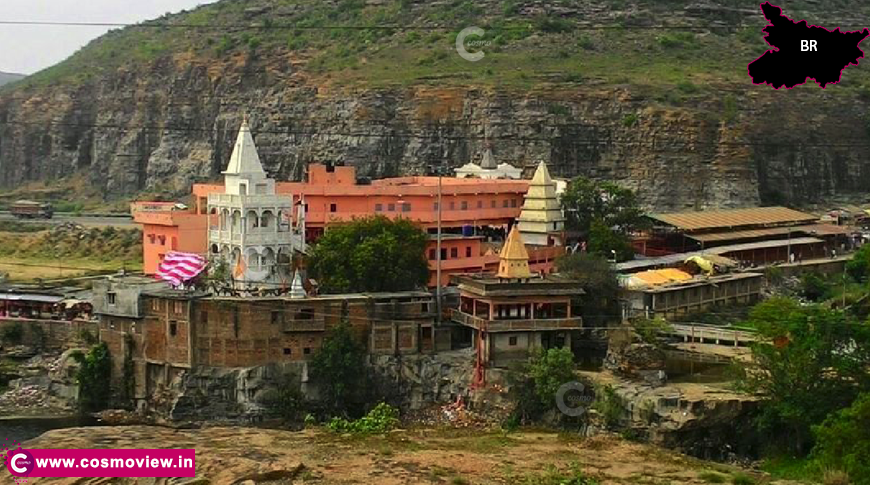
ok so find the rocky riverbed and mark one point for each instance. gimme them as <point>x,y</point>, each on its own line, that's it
<point>233,455</point>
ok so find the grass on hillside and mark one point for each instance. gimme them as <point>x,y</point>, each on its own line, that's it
<point>522,48</point>
<point>61,253</point>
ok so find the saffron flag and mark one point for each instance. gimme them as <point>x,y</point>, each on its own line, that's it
<point>239,271</point>
<point>178,268</point>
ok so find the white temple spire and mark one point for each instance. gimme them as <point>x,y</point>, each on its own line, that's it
<point>245,160</point>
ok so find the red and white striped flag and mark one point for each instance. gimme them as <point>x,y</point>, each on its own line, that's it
<point>178,268</point>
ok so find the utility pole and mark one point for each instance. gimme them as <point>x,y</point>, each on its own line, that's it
<point>438,251</point>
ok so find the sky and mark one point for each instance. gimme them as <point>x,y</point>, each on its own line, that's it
<point>27,49</point>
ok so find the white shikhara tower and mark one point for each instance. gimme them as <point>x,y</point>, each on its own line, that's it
<point>251,227</point>
<point>541,217</point>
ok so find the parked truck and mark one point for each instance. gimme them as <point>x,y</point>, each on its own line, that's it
<point>28,209</point>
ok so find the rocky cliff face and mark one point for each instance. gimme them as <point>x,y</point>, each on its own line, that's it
<point>159,125</point>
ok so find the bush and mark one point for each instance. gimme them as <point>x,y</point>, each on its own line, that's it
<point>93,378</point>
<point>858,267</point>
<point>609,405</point>
<point>843,441</point>
<point>813,287</point>
<point>650,329</point>
<point>379,420</point>
<point>549,370</point>
<point>339,371</point>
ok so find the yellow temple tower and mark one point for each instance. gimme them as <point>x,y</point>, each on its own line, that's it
<point>514,259</point>
<point>541,216</point>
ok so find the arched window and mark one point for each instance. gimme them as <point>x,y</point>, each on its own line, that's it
<point>253,220</point>
<point>267,219</point>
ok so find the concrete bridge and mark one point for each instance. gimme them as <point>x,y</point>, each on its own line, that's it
<point>703,333</point>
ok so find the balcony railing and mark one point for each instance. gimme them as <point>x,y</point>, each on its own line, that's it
<point>250,200</point>
<point>306,325</point>
<point>526,325</point>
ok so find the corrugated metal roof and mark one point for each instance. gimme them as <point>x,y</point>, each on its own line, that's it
<point>30,297</point>
<point>732,248</point>
<point>693,221</point>
<point>819,229</point>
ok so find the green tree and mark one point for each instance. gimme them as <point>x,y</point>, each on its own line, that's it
<point>586,201</point>
<point>550,369</point>
<point>650,329</point>
<point>609,243</point>
<point>813,287</point>
<point>93,377</point>
<point>534,383</point>
<point>598,279</point>
<point>369,255</point>
<point>338,368</point>
<point>859,266</point>
<point>809,362</point>
<point>843,441</point>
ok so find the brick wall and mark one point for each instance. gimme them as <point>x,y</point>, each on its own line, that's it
<point>55,335</point>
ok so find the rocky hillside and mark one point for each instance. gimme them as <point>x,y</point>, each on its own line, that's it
<point>8,77</point>
<point>652,94</point>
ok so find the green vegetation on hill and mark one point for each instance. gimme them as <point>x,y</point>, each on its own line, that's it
<point>66,251</point>
<point>354,42</point>
<point>812,371</point>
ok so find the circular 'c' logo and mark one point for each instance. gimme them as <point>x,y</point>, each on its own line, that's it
<point>573,407</point>
<point>20,463</point>
<point>460,43</point>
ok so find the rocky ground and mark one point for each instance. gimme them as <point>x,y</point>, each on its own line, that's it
<point>45,386</point>
<point>425,456</point>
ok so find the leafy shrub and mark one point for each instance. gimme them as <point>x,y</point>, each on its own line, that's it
<point>379,420</point>
<point>549,370</point>
<point>339,371</point>
<point>87,337</point>
<point>650,329</point>
<point>609,405</point>
<point>774,275</point>
<point>859,266</point>
<point>813,287</point>
<point>552,25</point>
<point>93,378</point>
<point>843,441</point>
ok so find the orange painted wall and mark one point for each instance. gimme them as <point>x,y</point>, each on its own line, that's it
<point>469,255</point>
<point>165,231</point>
<point>332,195</point>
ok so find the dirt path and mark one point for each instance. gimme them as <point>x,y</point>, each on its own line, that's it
<point>419,456</point>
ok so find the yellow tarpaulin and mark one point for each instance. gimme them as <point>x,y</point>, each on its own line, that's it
<point>646,279</point>
<point>705,265</point>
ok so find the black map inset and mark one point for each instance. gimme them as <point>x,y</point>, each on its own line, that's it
<point>802,51</point>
